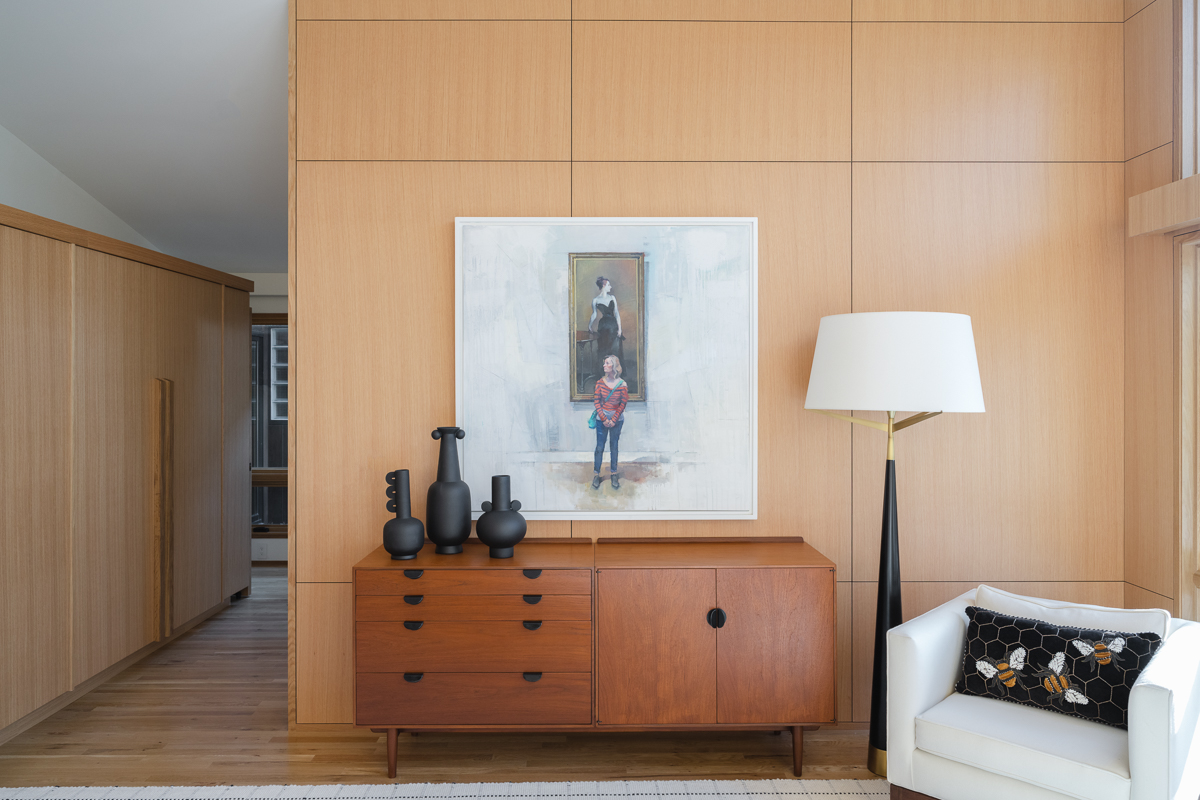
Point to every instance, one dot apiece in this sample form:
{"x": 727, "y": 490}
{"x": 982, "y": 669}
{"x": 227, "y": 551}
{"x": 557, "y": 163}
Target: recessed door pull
{"x": 532, "y": 625}
{"x": 414, "y": 599}
{"x": 532, "y": 599}
{"x": 414, "y": 626}
{"x": 413, "y": 677}
{"x": 413, "y": 573}
{"x": 716, "y": 618}
{"x": 531, "y": 573}
{"x": 532, "y": 677}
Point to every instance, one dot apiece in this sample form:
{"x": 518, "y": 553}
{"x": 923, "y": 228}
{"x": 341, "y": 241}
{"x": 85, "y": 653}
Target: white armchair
{"x": 957, "y": 747}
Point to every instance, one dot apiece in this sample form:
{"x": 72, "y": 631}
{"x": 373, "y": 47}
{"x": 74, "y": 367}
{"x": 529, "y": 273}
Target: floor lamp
{"x": 893, "y": 361}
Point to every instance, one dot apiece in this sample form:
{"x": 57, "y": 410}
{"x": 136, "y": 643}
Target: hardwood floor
{"x": 211, "y": 708}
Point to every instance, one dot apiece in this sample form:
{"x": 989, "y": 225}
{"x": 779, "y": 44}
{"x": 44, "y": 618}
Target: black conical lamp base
{"x": 887, "y": 616}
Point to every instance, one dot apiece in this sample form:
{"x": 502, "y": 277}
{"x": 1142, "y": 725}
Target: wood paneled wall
{"x": 952, "y": 155}
{"x": 1151, "y": 457}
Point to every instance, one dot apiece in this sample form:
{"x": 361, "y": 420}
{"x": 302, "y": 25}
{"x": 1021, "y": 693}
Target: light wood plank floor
{"x": 211, "y": 708}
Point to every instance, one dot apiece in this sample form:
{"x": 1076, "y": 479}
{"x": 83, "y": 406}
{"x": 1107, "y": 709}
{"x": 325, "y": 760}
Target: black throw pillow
{"x": 1079, "y": 672}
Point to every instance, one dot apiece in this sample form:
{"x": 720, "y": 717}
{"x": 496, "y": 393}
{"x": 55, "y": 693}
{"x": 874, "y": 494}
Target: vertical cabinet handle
{"x": 716, "y": 618}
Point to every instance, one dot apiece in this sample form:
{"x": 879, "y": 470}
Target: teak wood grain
{"x": 487, "y": 646}
{"x": 390, "y": 608}
{"x": 998, "y": 92}
{"x": 777, "y": 650}
{"x": 542, "y": 553}
{"x": 714, "y": 10}
{"x": 1149, "y": 78}
{"x": 479, "y": 698}
{"x": 988, "y": 11}
{"x": 35, "y": 471}
{"x": 434, "y": 90}
{"x": 235, "y": 449}
{"x": 655, "y": 651}
{"x": 484, "y": 581}
{"x": 375, "y": 240}
{"x": 710, "y": 91}
{"x": 433, "y": 9}
{"x": 699, "y": 553}
{"x": 1150, "y": 394}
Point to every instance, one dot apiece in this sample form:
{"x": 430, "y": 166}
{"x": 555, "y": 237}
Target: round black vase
{"x": 500, "y": 527}
{"x": 448, "y": 509}
{"x": 403, "y": 536}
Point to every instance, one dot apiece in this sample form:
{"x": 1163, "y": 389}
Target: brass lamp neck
{"x": 891, "y": 425}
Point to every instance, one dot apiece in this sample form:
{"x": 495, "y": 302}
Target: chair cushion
{"x": 1075, "y": 615}
{"x": 1056, "y": 752}
{"x": 1084, "y": 673}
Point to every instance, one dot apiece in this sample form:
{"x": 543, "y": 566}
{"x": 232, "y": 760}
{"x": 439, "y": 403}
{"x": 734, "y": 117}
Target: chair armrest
{"x": 1164, "y": 709}
{"x": 924, "y": 659}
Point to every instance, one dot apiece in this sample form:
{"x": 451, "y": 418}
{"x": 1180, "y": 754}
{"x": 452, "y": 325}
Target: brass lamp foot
{"x": 877, "y": 761}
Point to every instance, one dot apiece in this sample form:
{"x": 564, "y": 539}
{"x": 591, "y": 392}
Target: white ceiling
{"x": 172, "y": 113}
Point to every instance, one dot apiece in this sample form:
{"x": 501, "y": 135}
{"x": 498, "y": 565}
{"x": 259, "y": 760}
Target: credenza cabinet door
{"x": 655, "y": 650}
{"x": 776, "y": 645}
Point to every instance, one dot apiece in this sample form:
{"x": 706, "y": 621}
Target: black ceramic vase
{"x": 403, "y": 536}
{"x": 448, "y": 510}
{"x": 500, "y": 526}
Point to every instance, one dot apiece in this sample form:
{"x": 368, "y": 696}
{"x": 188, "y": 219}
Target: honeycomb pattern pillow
{"x": 1074, "y": 671}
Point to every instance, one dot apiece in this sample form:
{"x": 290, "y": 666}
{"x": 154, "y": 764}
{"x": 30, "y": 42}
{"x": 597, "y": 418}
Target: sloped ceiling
{"x": 172, "y": 113}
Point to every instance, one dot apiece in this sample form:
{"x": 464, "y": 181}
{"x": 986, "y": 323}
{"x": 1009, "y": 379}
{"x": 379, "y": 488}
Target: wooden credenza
{"x": 619, "y": 634}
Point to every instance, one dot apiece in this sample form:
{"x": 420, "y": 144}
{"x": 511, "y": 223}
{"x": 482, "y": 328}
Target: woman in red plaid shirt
{"x": 610, "y": 398}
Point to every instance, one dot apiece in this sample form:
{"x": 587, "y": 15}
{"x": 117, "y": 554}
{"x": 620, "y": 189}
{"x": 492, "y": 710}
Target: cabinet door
{"x": 655, "y": 651}
{"x": 113, "y": 533}
{"x": 187, "y": 338}
{"x": 776, "y": 651}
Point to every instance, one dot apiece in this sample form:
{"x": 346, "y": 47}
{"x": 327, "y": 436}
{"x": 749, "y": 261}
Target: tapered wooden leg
{"x": 392, "y": 751}
{"x": 797, "y": 750}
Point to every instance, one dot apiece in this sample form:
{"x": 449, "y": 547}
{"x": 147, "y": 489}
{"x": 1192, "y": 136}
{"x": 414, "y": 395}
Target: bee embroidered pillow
{"x": 1075, "y": 671}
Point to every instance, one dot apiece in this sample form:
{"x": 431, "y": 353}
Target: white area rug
{"x": 575, "y": 790}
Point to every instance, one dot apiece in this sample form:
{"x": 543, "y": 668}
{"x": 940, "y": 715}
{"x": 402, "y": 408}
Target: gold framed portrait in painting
{"x": 608, "y": 320}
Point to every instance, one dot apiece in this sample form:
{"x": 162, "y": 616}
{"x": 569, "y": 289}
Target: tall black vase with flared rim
{"x": 403, "y": 537}
{"x": 448, "y": 508}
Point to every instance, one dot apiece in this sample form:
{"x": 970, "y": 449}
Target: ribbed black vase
{"x": 448, "y": 510}
{"x": 500, "y": 527}
{"x": 403, "y": 536}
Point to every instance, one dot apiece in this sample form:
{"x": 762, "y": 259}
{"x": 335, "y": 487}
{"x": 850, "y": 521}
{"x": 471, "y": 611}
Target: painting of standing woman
{"x": 608, "y": 314}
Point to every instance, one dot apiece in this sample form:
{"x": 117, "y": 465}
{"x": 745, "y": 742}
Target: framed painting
{"x": 609, "y": 365}
{"x": 607, "y": 302}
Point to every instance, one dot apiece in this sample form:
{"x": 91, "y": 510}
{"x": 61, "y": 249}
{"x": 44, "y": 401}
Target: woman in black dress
{"x": 606, "y": 323}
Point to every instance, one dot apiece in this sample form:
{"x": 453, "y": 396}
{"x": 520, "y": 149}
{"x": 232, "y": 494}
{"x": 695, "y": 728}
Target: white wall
{"x": 270, "y": 292}
{"x": 31, "y": 183}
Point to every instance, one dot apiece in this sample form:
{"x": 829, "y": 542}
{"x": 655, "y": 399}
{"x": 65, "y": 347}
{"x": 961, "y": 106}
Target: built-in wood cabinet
{"x": 685, "y": 633}
{"x": 125, "y": 406}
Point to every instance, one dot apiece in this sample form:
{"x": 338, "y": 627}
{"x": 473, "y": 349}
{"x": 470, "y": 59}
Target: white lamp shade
{"x": 895, "y": 361}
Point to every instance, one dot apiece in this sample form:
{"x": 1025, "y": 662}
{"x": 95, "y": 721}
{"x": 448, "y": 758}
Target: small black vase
{"x": 500, "y": 526}
{"x": 403, "y": 536}
{"x": 448, "y": 510}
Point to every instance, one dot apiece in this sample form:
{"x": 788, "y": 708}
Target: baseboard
{"x": 63, "y": 700}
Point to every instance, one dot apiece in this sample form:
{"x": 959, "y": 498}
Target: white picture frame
{"x": 514, "y": 325}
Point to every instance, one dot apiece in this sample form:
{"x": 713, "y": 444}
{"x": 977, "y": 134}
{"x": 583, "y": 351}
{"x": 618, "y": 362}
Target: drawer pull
{"x": 716, "y": 618}
{"x": 413, "y": 573}
{"x": 414, "y": 599}
{"x": 532, "y": 624}
{"x": 413, "y": 677}
{"x": 532, "y": 677}
{"x": 531, "y": 573}
{"x": 532, "y": 599}
{"x": 414, "y": 626}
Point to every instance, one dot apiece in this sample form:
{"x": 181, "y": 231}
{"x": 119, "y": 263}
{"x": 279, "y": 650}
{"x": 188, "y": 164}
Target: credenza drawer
{"x": 473, "y": 581}
{"x": 480, "y": 698}
{"x": 490, "y": 646}
{"x": 451, "y": 607}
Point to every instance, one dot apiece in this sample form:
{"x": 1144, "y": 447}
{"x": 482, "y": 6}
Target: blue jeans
{"x": 602, "y": 434}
